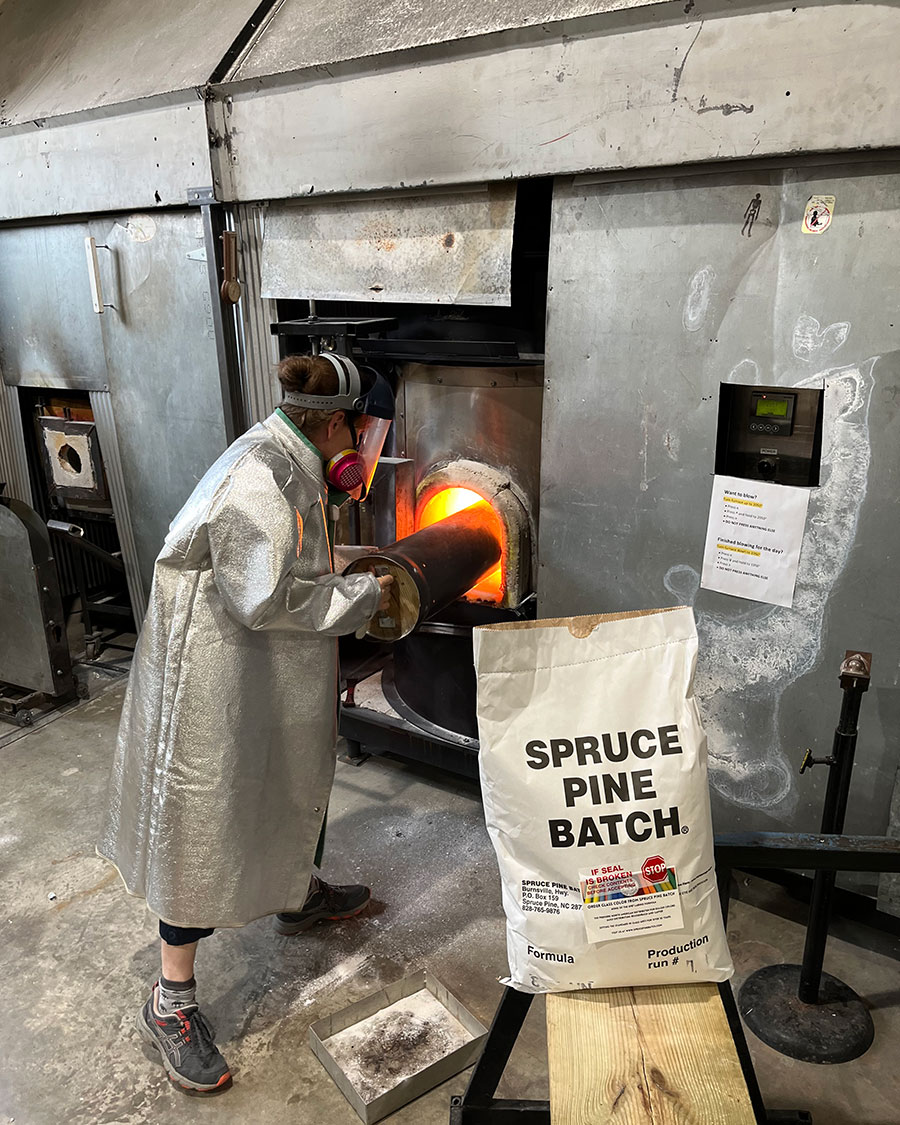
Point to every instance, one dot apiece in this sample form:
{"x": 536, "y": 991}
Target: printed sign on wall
{"x": 753, "y": 539}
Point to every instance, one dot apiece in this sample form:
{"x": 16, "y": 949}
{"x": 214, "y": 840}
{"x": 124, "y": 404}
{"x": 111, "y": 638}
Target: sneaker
{"x": 324, "y": 903}
{"x": 185, "y": 1043}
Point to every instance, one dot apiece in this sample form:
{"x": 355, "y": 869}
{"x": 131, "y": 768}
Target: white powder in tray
{"x": 399, "y": 1041}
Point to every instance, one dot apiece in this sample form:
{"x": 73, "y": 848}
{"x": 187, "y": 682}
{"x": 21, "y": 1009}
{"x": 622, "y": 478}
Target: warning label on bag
{"x": 619, "y": 903}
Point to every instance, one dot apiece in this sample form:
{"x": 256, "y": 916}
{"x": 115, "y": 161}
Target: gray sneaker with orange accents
{"x": 324, "y": 903}
{"x": 185, "y": 1044}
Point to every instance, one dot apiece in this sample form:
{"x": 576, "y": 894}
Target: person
{"x": 225, "y": 753}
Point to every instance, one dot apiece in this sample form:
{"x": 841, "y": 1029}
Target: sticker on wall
{"x": 141, "y": 228}
{"x": 818, "y": 214}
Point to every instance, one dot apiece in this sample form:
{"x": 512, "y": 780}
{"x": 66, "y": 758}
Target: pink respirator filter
{"x": 344, "y": 470}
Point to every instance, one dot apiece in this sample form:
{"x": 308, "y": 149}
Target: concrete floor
{"x": 74, "y": 968}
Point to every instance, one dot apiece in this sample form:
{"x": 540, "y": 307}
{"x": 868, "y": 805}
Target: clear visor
{"x": 371, "y": 443}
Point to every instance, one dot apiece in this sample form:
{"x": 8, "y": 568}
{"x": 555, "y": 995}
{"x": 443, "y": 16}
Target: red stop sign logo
{"x": 654, "y": 868}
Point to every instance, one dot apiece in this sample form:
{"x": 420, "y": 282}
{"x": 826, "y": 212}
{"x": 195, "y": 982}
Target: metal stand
{"x": 797, "y": 1009}
{"x": 22, "y": 707}
{"x": 768, "y": 1000}
{"x": 95, "y": 641}
{"x": 478, "y": 1106}
{"x": 753, "y": 850}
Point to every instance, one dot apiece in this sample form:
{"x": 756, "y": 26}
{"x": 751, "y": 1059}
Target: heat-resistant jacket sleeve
{"x": 264, "y": 576}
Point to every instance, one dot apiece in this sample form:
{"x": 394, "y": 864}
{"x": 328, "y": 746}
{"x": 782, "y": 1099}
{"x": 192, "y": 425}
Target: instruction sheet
{"x": 753, "y": 539}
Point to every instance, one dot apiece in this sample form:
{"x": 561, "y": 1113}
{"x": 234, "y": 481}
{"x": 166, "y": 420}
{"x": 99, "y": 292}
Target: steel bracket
{"x": 201, "y": 196}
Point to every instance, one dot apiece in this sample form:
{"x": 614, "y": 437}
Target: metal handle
{"x": 90, "y": 248}
{"x": 809, "y": 761}
{"x": 65, "y": 528}
{"x": 230, "y": 289}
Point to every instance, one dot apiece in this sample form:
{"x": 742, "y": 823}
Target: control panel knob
{"x": 766, "y": 468}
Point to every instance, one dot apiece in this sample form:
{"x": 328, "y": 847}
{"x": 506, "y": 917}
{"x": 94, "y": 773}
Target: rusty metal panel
{"x": 629, "y": 89}
{"x": 301, "y": 34}
{"x": 659, "y": 291}
{"x": 62, "y": 58}
{"x": 446, "y": 248}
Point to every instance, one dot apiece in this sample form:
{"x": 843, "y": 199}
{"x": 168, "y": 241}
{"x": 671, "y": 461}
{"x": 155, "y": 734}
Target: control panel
{"x": 770, "y": 433}
{"x": 772, "y": 412}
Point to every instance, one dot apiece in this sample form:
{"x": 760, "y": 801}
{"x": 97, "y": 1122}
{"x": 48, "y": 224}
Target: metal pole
{"x": 855, "y": 673}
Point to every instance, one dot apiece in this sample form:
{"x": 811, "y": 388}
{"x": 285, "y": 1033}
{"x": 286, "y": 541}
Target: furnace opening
{"x": 69, "y": 459}
{"x": 449, "y": 501}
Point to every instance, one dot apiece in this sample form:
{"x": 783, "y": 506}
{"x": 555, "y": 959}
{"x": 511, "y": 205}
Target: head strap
{"x": 349, "y": 394}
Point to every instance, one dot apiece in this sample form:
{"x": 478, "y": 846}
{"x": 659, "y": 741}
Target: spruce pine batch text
{"x": 603, "y": 788}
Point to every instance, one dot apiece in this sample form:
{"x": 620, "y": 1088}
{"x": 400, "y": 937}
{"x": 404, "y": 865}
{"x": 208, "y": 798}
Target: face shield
{"x": 371, "y": 443}
{"x": 362, "y": 392}
{"x": 378, "y": 411}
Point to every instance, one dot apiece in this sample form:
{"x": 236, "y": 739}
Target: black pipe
{"x": 833, "y": 813}
{"x": 433, "y": 567}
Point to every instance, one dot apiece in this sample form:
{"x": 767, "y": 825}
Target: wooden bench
{"x": 644, "y": 1056}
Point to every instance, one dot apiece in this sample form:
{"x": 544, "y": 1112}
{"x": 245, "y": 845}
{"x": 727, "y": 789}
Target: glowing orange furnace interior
{"x": 448, "y": 502}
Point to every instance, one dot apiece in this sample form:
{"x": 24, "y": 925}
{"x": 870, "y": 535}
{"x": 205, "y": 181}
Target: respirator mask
{"x": 360, "y": 392}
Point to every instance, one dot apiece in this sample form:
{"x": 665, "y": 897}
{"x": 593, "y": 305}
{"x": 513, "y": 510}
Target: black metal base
{"x": 22, "y": 707}
{"x": 377, "y": 734}
{"x": 478, "y": 1106}
{"x": 837, "y": 1029}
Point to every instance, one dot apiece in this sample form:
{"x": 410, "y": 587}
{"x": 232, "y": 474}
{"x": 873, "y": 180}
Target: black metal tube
{"x": 443, "y": 561}
{"x": 743, "y": 1052}
{"x": 498, "y": 1046}
{"x": 81, "y": 582}
{"x": 833, "y": 813}
{"x": 451, "y": 555}
{"x": 843, "y": 753}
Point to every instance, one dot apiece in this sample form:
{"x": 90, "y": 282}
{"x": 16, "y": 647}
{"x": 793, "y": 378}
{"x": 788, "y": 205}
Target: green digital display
{"x": 771, "y": 407}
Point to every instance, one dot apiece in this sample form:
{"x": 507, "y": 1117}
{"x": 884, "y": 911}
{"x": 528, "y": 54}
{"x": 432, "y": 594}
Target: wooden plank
{"x": 644, "y": 1056}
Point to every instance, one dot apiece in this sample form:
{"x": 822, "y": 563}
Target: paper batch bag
{"x": 594, "y": 778}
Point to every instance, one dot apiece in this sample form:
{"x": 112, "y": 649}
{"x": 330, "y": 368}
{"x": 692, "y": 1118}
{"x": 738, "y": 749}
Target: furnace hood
{"x": 302, "y": 34}
{"x": 60, "y": 59}
{"x": 67, "y": 58}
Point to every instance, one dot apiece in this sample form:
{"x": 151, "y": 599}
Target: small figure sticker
{"x": 818, "y": 214}
{"x": 751, "y": 214}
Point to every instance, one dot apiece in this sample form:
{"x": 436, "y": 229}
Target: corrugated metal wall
{"x": 258, "y": 348}
{"x": 13, "y": 463}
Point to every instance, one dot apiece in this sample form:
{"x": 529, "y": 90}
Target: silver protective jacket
{"x": 225, "y": 754}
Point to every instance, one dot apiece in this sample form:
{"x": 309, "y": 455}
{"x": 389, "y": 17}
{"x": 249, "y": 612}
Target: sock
{"x": 174, "y": 994}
